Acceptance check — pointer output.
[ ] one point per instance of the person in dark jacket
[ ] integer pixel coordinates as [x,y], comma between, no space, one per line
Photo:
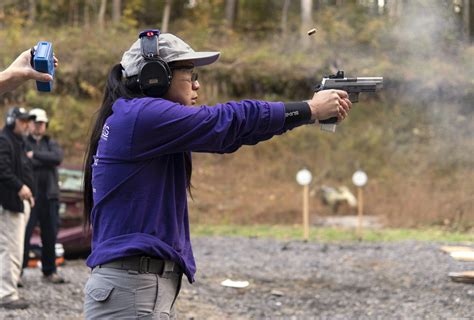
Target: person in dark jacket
[46,155]
[138,170]
[16,198]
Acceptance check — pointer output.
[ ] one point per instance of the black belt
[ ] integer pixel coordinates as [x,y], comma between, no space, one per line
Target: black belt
[143,264]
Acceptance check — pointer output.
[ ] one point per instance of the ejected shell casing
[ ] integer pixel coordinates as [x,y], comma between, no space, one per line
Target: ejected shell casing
[311,32]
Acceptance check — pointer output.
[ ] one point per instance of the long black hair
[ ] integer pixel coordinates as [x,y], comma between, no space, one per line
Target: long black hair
[115,88]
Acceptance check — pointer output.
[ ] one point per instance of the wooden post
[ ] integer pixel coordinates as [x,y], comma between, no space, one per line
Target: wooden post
[360,206]
[306,212]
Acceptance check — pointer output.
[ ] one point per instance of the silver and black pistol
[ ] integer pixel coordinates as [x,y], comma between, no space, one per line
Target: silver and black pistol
[353,86]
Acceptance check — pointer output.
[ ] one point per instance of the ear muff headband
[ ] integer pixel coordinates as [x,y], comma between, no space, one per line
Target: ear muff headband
[154,78]
[10,118]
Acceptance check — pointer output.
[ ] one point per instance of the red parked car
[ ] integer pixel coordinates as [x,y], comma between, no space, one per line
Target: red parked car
[71,233]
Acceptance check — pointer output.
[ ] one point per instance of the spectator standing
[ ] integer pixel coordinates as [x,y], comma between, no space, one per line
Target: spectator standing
[16,198]
[46,155]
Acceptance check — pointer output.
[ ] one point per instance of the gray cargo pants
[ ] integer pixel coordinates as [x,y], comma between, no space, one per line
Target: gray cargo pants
[117,294]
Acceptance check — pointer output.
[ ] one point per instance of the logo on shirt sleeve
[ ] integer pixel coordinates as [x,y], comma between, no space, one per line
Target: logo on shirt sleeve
[105,132]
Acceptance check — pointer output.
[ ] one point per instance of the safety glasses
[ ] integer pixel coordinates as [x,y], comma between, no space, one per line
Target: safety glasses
[194,75]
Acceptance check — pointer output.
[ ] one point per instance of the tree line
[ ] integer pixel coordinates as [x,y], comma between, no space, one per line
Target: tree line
[236,15]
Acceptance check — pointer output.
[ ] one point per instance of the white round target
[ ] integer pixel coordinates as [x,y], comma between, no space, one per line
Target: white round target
[359,178]
[303,177]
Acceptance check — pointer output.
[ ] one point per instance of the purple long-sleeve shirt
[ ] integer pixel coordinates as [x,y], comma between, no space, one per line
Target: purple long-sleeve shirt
[139,178]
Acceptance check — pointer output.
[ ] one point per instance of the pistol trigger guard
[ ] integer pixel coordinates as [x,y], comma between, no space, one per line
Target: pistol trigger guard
[354,97]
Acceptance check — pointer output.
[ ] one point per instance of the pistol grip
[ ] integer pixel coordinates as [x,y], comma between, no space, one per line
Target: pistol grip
[328,121]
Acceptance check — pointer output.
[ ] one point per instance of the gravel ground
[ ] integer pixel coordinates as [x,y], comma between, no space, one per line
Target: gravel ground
[291,280]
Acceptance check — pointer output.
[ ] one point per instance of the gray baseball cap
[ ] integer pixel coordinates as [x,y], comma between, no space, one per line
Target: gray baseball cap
[171,49]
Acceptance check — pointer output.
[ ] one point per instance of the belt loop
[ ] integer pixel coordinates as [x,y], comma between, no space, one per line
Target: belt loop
[144,261]
[169,266]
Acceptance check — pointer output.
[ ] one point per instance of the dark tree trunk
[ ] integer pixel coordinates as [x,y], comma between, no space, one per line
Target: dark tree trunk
[231,12]
[101,16]
[284,17]
[468,20]
[86,12]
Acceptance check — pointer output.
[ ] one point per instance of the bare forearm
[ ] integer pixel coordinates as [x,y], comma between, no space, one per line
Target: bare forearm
[8,81]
